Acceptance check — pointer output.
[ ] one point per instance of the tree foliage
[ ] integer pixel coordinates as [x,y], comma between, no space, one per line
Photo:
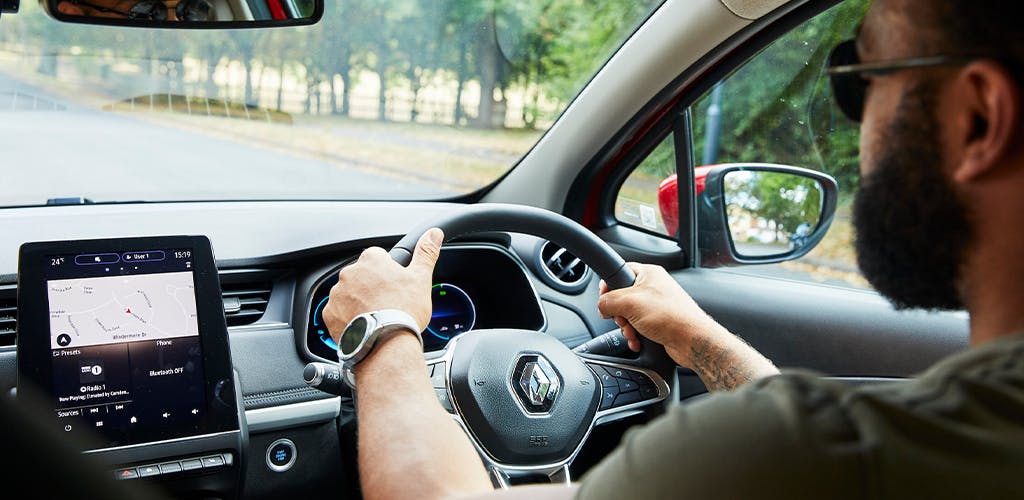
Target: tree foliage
[777,108]
[545,49]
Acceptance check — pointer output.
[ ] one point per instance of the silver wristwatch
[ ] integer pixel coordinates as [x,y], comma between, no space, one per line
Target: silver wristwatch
[365,330]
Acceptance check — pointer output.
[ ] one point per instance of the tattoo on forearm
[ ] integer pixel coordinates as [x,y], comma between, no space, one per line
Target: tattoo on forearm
[721,369]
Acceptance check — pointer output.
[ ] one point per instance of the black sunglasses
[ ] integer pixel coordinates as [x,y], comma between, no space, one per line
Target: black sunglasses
[156,10]
[848,74]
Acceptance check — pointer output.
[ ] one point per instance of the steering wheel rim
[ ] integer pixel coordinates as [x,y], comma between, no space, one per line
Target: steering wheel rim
[486,217]
[471,383]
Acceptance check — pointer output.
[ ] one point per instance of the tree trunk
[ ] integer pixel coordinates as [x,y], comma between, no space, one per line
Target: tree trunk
[47,64]
[247,62]
[309,94]
[319,97]
[211,82]
[346,93]
[488,60]
[414,83]
[257,85]
[280,83]
[334,96]
[382,98]
[462,70]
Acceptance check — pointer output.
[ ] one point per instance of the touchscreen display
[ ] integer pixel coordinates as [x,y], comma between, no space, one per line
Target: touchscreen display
[125,350]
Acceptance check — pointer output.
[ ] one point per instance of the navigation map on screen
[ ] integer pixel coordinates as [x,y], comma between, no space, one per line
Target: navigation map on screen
[97,311]
[126,352]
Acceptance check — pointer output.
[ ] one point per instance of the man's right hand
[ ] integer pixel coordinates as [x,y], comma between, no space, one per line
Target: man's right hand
[657,308]
[660,310]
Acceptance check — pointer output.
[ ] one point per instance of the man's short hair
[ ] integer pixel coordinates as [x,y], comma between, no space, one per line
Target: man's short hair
[978,27]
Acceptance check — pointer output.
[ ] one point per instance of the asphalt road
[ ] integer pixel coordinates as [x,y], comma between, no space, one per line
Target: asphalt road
[54,148]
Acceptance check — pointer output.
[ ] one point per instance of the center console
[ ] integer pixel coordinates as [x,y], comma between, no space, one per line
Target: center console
[125,342]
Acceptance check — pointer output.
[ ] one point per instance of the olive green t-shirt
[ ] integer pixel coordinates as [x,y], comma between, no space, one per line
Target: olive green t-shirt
[956,431]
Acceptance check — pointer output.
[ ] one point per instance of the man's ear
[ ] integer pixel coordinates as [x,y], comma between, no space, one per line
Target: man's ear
[991,100]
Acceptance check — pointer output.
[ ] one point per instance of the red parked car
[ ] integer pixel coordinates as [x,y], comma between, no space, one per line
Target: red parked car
[668,196]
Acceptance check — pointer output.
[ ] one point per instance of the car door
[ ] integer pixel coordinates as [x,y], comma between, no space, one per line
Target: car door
[763,102]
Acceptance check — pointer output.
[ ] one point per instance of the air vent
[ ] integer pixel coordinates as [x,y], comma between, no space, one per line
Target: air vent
[561,269]
[8,315]
[246,295]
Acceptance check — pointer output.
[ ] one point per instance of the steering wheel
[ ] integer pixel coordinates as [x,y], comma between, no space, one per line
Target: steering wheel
[526,400]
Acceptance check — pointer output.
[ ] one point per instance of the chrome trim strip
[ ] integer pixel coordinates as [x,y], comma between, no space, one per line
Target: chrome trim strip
[270,325]
[166,441]
[293,415]
[242,270]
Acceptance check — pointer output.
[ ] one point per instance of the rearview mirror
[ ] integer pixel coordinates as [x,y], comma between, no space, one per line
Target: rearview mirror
[762,213]
[187,13]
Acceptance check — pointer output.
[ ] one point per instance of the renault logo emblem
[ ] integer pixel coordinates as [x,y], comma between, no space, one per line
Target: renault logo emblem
[536,383]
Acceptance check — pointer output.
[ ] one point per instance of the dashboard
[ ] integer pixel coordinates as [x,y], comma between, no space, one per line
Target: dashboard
[276,263]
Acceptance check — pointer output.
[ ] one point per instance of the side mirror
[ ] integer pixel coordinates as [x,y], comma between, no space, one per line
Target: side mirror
[762,213]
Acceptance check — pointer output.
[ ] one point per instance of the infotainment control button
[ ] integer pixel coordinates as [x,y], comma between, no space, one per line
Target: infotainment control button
[213,461]
[191,464]
[129,473]
[149,470]
[169,467]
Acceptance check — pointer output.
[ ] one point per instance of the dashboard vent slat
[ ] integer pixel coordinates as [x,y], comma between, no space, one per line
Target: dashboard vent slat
[8,316]
[246,297]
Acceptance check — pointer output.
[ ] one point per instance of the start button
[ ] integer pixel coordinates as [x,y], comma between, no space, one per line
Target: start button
[281,455]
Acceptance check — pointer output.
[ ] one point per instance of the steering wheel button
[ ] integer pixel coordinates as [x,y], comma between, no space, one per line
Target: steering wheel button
[607,380]
[608,397]
[648,391]
[639,377]
[627,398]
[618,372]
[446,402]
[626,385]
[437,377]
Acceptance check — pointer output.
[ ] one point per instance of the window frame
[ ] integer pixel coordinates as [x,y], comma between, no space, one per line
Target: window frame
[591,197]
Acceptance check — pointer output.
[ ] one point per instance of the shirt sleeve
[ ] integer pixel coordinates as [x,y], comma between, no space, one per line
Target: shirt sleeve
[782,437]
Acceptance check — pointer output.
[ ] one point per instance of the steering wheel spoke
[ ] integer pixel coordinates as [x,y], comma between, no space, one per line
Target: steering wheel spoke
[437,371]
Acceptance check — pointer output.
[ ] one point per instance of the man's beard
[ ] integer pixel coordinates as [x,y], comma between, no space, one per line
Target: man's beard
[912,228]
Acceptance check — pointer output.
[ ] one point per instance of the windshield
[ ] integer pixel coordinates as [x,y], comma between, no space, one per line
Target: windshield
[406,99]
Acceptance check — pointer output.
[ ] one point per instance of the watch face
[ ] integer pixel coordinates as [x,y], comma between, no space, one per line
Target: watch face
[352,336]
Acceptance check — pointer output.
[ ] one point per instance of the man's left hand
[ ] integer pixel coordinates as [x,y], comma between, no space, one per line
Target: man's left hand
[376,282]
